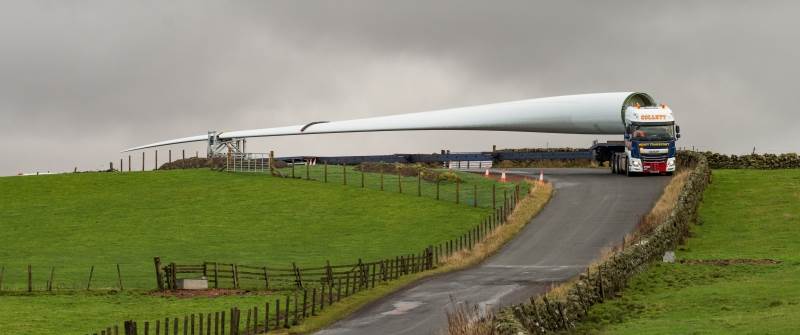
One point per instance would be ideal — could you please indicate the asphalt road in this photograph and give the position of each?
(591, 209)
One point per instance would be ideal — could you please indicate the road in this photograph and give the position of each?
(591, 209)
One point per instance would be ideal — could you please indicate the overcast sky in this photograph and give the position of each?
(82, 80)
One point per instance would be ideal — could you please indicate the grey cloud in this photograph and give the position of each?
(99, 76)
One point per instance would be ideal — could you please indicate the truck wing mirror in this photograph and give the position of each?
(678, 129)
(678, 135)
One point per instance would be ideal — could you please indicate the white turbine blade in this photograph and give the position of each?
(198, 138)
(599, 113)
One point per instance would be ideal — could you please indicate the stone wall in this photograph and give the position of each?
(754, 161)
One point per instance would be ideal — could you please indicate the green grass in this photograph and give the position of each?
(746, 214)
(81, 312)
(72, 222)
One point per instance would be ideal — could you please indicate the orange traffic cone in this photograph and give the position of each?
(541, 176)
(503, 177)
(486, 174)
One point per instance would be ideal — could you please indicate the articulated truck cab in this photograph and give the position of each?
(650, 135)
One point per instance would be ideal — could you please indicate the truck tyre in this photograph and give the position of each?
(613, 164)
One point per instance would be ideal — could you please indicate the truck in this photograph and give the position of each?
(649, 142)
(648, 128)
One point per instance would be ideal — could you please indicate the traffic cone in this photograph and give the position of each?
(486, 174)
(541, 176)
(503, 177)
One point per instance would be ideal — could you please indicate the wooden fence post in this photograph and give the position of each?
(2, 273)
(30, 279)
(159, 274)
(173, 276)
(50, 282)
(437, 188)
(505, 203)
(121, 168)
(298, 280)
(494, 196)
(91, 273)
(169, 159)
(325, 173)
(183, 154)
(155, 161)
(266, 317)
(142, 161)
(344, 174)
(458, 190)
(314, 301)
(296, 311)
(305, 305)
(399, 181)
(362, 178)
(419, 184)
(286, 313)
(235, 275)
(271, 162)
(381, 177)
(308, 174)
(255, 320)
(119, 278)
(277, 313)
(475, 195)
(129, 163)
(266, 279)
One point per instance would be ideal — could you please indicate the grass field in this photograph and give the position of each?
(746, 214)
(74, 221)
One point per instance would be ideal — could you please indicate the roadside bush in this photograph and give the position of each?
(216, 163)
(409, 170)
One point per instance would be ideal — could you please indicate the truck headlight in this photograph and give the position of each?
(636, 165)
(671, 164)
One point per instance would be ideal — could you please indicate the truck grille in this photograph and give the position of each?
(654, 157)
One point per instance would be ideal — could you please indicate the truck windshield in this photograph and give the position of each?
(652, 132)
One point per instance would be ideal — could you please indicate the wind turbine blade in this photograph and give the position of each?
(599, 113)
(198, 138)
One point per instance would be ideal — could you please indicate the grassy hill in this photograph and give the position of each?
(746, 215)
(72, 222)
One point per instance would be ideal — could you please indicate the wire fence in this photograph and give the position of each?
(464, 188)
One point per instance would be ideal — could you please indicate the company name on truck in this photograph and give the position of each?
(650, 117)
(654, 145)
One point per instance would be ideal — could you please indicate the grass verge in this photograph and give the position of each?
(746, 214)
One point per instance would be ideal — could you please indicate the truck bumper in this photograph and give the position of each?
(654, 167)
